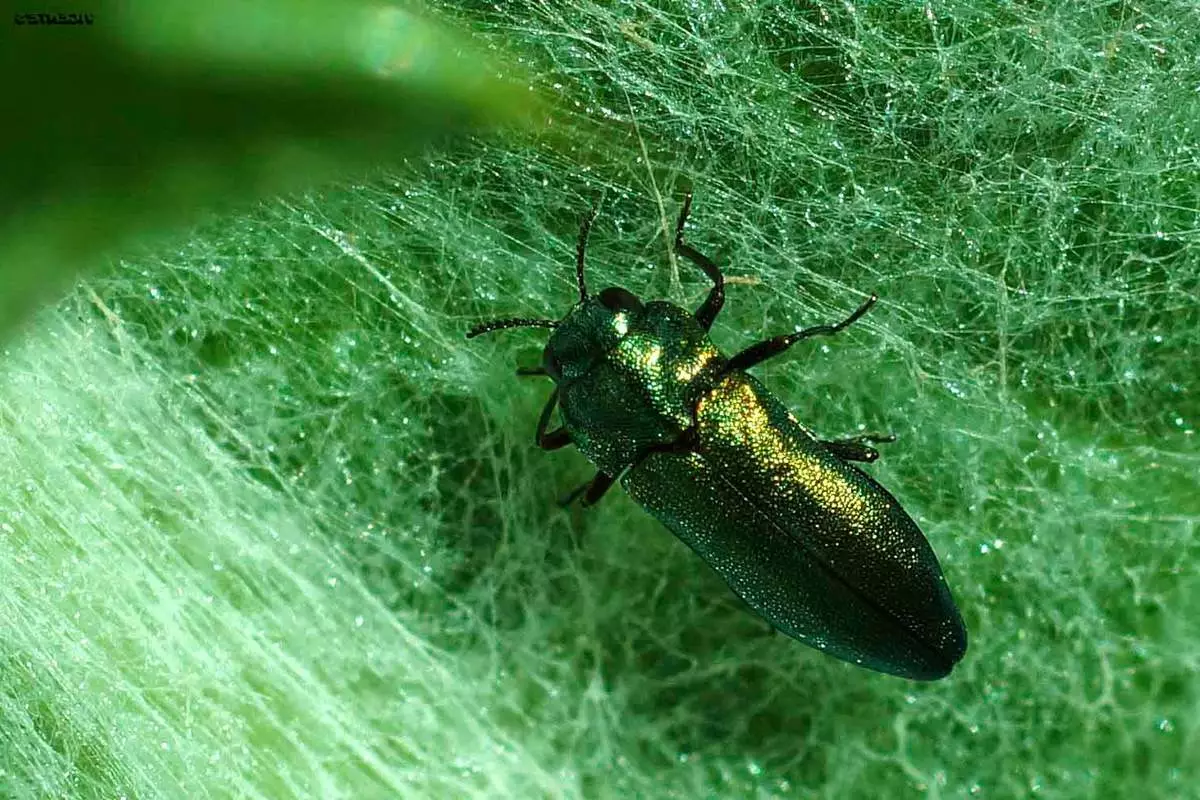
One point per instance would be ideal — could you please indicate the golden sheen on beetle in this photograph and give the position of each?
(811, 542)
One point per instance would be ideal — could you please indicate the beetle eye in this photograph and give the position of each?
(614, 298)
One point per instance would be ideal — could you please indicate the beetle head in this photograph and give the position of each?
(592, 327)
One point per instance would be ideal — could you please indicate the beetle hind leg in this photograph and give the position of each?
(858, 448)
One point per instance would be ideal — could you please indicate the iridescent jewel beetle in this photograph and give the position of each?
(811, 542)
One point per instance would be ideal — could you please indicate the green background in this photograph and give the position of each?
(270, 527)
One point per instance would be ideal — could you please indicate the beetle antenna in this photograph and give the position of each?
(514, 322)
(585, 225)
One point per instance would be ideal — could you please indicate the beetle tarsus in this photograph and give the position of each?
(857, 448)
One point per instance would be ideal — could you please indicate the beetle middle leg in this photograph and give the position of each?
(858, 448)
(758, 353)
(707, 312)
(592, 491)
(597, 486)
(556, 438)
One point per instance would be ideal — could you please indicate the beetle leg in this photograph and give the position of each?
(857, 448)
(599, 485)
(525, 372)
(707, 312)
(555, 438)
(686, 443)
(592, 491)
(573, 495)
(597, 488)
(758, 353)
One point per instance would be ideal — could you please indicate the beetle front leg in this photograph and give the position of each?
(555, 438)
(707, 312)
(857, 448)
(758, 353)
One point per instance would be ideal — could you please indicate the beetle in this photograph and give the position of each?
(805, 537)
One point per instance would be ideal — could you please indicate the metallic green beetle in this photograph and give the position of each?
(811, 542)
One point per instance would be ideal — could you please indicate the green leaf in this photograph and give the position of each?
(152, 112)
